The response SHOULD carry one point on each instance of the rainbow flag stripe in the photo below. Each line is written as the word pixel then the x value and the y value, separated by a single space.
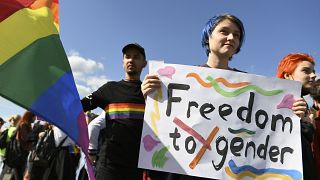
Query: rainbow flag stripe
pixel 125 111
pixel 34 68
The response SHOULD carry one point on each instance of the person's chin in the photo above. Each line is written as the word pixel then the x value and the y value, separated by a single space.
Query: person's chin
pixel 230 51
pixel 132 72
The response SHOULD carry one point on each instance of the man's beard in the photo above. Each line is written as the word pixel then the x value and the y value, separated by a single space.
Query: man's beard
pixel 132 73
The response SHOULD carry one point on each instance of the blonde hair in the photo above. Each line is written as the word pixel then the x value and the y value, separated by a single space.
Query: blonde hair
pixel 14 119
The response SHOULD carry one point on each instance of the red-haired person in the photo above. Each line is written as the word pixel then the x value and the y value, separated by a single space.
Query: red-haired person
pixel 24 131
pixel 300 67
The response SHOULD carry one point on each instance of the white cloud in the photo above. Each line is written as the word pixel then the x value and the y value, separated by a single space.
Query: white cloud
pixel 86 73
pixel 96 81
pixel 83 90
pixel 82 65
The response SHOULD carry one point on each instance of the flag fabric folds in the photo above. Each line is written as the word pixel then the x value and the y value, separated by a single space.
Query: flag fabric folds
pixel 34 69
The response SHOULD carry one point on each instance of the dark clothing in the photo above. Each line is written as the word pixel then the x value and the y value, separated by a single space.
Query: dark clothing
pixel 63 165
pixel 124 105
pixel 35 171
pixel 23 133
pixel 118 173
pixel 309 165
pixel 34 135
pixel 316 144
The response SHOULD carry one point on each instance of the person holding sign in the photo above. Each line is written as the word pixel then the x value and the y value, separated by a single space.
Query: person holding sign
pixel 124 105
pixel 300 67
pixel 222 37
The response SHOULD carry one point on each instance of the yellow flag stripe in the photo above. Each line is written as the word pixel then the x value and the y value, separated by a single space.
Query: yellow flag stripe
pixel 22 28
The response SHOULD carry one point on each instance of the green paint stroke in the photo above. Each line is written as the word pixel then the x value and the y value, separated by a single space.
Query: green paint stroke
pixel 242 130
pixel 159 159
pixel 242 89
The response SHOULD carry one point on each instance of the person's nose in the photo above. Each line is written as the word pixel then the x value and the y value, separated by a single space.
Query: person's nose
pixel 230 36
pixel 313 75
pixel 130 59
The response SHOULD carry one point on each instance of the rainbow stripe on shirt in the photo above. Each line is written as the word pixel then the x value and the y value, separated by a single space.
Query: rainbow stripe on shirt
pixel 125 111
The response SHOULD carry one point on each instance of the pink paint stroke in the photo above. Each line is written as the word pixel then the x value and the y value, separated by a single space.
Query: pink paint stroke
pixel 286 102
pixel 167 71
pixel 149 143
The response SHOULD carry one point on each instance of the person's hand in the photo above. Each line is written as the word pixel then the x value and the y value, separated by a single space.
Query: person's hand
pixel 299 107
pixel 149 84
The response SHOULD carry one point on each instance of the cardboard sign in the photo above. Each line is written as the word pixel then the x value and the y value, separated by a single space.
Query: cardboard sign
pixel 221 124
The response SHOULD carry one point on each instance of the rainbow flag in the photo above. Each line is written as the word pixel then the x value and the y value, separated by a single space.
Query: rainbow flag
pixel 34 68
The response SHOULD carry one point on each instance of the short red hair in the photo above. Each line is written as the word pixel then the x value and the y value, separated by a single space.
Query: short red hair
pixel 290 62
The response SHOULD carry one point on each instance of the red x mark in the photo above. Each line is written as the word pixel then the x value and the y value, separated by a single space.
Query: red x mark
pixel 206 143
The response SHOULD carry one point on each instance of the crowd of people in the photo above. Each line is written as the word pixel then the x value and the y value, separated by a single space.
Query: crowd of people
pixel 28 130
pixel 115 134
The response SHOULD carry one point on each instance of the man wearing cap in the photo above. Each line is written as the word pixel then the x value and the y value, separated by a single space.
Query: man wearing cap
pixel 124 105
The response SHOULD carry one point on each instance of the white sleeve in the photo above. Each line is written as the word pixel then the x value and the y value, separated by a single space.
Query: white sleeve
pixel 94 128
pixel 59 135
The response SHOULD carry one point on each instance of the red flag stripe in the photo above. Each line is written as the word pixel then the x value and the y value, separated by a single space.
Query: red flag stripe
pixel 9 7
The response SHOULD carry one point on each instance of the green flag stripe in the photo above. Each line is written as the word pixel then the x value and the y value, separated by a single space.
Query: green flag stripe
pixel 26 75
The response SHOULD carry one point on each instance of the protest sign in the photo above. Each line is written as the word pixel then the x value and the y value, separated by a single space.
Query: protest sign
pixel 221 124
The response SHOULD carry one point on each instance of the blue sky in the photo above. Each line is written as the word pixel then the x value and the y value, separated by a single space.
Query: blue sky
pixel 94 32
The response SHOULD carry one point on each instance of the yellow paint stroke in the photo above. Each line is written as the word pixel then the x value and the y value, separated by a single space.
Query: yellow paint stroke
pixel 155 115
pixel 221 80
pixel 255 176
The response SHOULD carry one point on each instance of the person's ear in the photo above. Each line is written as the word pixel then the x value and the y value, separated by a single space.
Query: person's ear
pixel 145 63
pixel 207 44
pixel 287 76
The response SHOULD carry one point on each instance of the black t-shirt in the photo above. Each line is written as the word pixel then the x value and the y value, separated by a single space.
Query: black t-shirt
pixel 124 105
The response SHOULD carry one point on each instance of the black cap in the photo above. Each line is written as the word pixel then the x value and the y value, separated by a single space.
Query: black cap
pixel 136 46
